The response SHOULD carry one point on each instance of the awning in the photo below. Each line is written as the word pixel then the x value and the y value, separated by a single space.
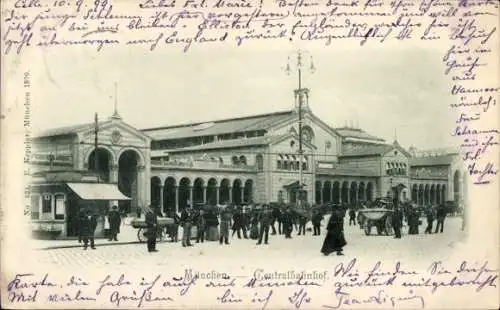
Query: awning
pixel 97 191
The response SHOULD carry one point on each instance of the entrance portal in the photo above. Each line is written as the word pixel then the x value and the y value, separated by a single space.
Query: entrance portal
pixel 128 181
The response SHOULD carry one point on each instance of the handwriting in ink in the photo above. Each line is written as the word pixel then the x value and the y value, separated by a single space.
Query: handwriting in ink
pixel 121 281
pixel 262 299
pixel 298 298
pixel 229 297
pixel 23 281
pixel 381 298
pixel 78 296
pixel 117 298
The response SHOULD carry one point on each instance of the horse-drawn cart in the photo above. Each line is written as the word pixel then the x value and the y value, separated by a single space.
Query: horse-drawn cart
pixel 381 218
pixel 142 228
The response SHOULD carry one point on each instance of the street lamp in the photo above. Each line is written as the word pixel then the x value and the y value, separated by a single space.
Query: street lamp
pixel 301 94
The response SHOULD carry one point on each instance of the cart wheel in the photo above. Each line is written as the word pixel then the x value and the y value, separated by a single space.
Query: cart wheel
pixel 368 228
pixel 141 235
pixel 388 226
pixel 160 235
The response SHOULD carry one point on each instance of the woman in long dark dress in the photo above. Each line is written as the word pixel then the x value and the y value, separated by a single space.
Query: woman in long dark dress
pixel 335 240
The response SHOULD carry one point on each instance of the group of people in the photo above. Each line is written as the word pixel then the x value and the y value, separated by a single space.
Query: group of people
pixel 214 224
pixel 256 223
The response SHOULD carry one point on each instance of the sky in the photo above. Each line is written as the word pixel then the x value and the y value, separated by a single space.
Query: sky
pixel 382 91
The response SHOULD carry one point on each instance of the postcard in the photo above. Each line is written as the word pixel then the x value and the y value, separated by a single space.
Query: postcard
pixel 249 154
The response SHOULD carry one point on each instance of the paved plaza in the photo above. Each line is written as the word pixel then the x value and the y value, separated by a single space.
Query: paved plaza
pixel 300 249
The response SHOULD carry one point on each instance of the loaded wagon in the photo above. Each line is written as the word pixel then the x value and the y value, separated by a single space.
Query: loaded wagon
pixel 142 227
pixel 380 218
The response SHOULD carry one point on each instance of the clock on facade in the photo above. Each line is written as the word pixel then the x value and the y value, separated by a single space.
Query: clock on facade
pixel 116 137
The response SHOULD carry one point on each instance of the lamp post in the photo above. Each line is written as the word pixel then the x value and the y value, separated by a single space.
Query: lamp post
pixel 301 94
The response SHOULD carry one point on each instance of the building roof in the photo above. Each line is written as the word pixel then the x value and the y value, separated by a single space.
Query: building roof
pixel 66 130
pixel 237 143
pixel 374 150
pixel 439 160
pixel 357 133
pixel 217 127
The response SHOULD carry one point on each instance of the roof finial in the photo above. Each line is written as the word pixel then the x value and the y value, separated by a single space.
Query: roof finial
pixel 115 113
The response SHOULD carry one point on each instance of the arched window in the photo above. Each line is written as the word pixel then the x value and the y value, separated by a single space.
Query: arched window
pixel 304 163
pixel 280 162
pixel 235 160
pixel 293 164
pixel 259 160
pixel 286 163
pixel 243 160
pixel 221 161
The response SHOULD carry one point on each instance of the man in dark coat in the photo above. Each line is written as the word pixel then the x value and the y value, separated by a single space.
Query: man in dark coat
pixel 429 214
pixel 352 217
pixel 265 221
pixel 276 217
pixel 186 222
pixel 152 226
pixel 397 222
pixel 88 225
pixel 115 220
pixel 335 239
pixel 413 221
pixel 173 229
pixel 441 215
pixel 200 226
pixel 302 224
pixel 238 224
pixel 288 220
pixel 225 224
pixel 316 221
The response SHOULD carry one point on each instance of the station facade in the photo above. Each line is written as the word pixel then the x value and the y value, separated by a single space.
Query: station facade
pixel 244 160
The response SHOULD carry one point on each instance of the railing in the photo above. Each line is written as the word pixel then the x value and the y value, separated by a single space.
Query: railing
pixel 200 164
pixel 47 158
pixel 428 175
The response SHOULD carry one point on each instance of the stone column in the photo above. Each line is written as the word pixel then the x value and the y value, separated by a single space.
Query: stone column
pixel 161 197
pixel 242 194
pixel 113 178
pixel 204 194
pixel 321 199
pixel 176 202
pixel 191 195
pixel 230 194
pixel 217 193
pixel 141 182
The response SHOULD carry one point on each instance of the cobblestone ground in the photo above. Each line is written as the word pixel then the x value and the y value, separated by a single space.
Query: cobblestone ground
pixel 301 249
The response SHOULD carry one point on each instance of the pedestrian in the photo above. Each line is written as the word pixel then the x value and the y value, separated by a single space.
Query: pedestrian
pixel 352 217
pixel 316 221
pixel 276 217
pixel 302 224
pixel 441 215
pixel 265 221
pixel 335 239
pixel 238 224
pixel 173 230
pixel 288 220
pixel 254 229
pixel 186 222
pixel 429 213
pixel 413 221
pixel 225 223
pixel 200 226
pixel 397 222
pixel 152 229
pixel 212 223
pixel 88 226
pixel 114 219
